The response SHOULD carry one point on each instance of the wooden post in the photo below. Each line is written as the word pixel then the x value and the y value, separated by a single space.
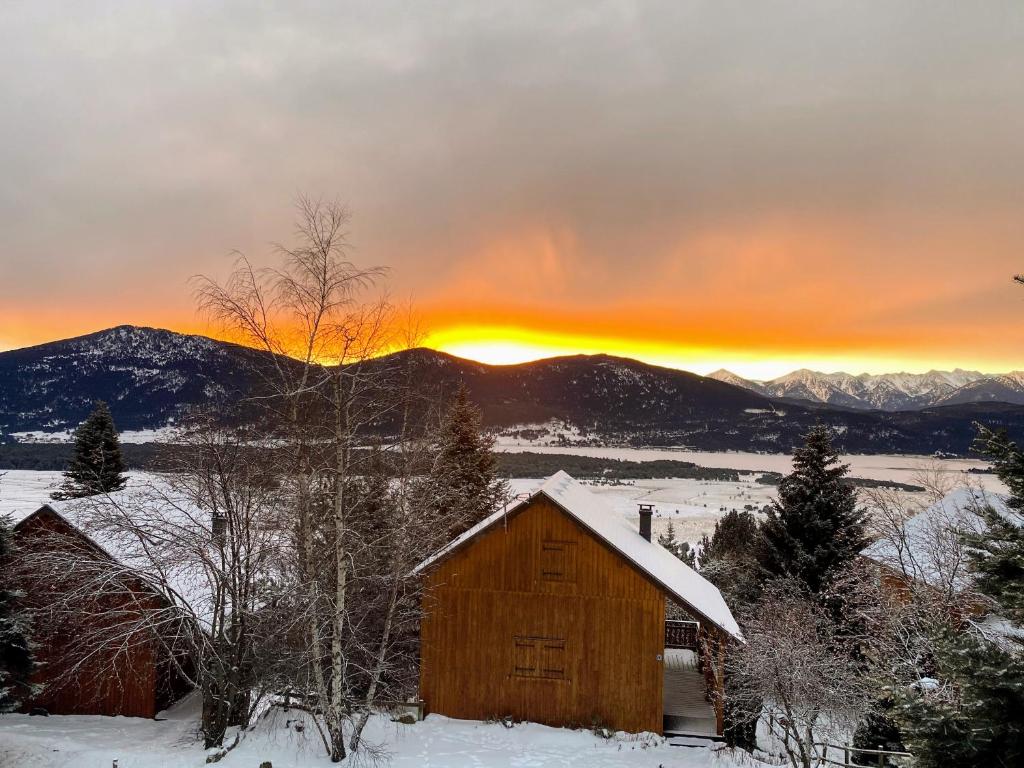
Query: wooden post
pixel 846 754
pixel 880 757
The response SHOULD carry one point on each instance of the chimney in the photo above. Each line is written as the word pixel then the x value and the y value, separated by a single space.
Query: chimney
pixel 218 527
pixel 646 513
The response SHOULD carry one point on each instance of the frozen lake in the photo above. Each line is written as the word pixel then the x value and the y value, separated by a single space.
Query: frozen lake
pixel 902 469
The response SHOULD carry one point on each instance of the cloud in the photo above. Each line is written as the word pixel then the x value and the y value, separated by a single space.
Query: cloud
pixel 799 176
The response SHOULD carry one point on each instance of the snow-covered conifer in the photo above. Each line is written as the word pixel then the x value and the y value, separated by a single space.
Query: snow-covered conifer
pixel 997 555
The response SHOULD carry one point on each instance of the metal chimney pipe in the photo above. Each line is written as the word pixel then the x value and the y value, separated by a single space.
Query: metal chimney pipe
pixel 646 514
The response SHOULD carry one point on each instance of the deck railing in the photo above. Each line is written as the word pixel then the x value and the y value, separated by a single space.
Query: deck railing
pixel 681 634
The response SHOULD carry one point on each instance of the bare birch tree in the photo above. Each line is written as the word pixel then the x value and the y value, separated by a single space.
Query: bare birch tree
pixel 328 404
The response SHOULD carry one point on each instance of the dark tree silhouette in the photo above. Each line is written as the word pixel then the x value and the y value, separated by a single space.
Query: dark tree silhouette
pixel 97 465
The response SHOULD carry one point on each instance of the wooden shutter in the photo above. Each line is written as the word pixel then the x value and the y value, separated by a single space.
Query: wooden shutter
pixel 539 657
pixel 558 561
pixel 552 658
pixel 524 663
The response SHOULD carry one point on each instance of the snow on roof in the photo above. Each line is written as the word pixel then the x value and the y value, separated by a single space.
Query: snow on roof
pixel 681 581
pixel 170 522
pixel 925 546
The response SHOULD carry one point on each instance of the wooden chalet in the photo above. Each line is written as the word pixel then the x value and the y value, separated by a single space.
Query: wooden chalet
pixel 923 550
pixel 554 610
pixel 136 678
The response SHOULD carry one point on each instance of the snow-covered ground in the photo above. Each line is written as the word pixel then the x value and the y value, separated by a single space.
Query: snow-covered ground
pixel 23 491
pixel 437 742
pixel 692 506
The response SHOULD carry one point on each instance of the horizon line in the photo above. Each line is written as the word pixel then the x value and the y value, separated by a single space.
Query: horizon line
pixel 496 351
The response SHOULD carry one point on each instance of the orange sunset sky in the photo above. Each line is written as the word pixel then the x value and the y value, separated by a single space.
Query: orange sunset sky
pixel 756 186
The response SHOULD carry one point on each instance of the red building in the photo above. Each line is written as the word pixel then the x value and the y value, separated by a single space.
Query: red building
pixel 77 675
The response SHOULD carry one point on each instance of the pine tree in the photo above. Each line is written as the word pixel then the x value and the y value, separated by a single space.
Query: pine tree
pixel 680 549
pixel 97 466
pixel 975 715
pixel 728 558
pixel 815 527
pixel 996 556
pixel 16 663
pixel 735 536
pixel 463 484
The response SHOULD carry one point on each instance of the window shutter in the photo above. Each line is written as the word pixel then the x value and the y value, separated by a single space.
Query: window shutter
pixel 539 657
pixel 558 561
pixel 525 657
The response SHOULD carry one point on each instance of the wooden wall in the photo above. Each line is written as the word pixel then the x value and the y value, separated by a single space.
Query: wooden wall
pixel 114 681
pixel 538 620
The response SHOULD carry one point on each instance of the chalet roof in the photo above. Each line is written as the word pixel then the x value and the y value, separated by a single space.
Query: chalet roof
pixel 671 574
pixel 921 547
pixel 149 509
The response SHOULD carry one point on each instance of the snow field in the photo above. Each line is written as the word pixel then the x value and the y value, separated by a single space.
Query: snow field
pixel 288 740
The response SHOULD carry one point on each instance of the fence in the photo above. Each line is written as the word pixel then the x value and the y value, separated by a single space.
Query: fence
pixel 877 755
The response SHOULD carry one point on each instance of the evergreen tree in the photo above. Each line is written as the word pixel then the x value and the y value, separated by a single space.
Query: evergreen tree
pixel 680 549
pixel 728 558
pixel 97 466
pixel 463 482
pixel 16 663
pixel 815 527
pixel 996 556
pixel 975 715
pixel 735 536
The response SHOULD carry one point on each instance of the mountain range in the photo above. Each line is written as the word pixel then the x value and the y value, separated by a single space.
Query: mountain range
pixel 152 377
pixel 887 391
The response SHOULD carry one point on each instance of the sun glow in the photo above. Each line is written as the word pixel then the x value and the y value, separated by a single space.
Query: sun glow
pixel 508 345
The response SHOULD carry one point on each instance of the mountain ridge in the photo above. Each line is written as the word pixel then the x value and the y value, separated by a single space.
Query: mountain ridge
pixel 153 377
pixel 887 391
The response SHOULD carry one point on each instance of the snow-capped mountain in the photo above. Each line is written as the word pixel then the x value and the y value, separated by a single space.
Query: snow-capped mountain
pixel 148 376
pixel 888 391
pixel 151 378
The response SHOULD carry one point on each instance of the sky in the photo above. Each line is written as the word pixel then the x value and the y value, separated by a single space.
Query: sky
pixel 757 186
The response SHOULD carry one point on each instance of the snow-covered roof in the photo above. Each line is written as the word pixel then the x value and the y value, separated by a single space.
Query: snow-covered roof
pixel 674 576
pixel 924 548
pixel 147 529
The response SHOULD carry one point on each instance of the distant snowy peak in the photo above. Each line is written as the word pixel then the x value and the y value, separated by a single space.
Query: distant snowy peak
pixel 737 381
pixel 888 391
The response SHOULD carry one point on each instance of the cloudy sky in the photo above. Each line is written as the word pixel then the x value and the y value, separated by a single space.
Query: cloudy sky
pixel 756 185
